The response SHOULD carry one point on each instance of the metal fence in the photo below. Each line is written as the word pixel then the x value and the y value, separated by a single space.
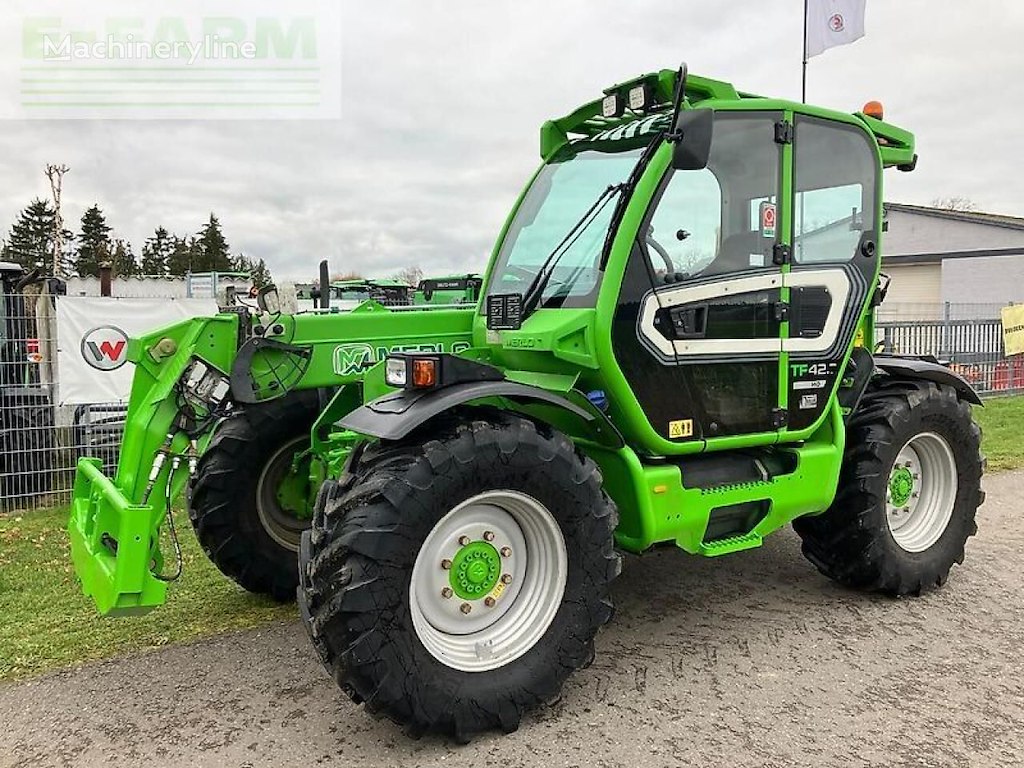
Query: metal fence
pixel 967 336
pixel 40 440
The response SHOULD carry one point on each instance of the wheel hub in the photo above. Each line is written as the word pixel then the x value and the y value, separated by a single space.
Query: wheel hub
pixel 901 486
pixel 475 570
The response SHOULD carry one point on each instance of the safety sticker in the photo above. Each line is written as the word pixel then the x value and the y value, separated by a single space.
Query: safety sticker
pixel 808 402
pixel 768 214
pixel 680 428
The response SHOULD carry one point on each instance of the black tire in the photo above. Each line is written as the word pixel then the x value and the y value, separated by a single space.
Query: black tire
pixel 851 543
pixel 222 500
pixel 26 447
pixel 356 564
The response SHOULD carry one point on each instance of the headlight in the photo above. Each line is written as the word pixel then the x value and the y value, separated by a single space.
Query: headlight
pixel 416 370
pixel 640 97
pixel 611 105
pixel 394 372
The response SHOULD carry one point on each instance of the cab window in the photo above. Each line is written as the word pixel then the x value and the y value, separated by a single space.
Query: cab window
pixel 722 218
pixel 835 176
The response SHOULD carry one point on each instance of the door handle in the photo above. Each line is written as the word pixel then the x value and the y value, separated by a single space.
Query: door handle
pixel 690 322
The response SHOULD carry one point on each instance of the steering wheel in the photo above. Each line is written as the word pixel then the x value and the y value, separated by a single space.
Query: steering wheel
pixel 521 272
pixel 670 268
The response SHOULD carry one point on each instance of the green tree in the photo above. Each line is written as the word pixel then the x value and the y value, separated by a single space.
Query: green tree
pixel 123 260
pixel 94 247
pixel 184 256
pixel 214 253
pixel 260 274
pixel 31 241
pixel 256 269
pixel 156 253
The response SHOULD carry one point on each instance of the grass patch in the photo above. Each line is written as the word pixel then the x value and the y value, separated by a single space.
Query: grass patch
pixel 46 622
pixel 1002 422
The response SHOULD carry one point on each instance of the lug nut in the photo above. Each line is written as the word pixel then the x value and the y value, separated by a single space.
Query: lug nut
pixel 463 540
pixel 446 564
pixel 506 578
pixel 489 602
pixel 465 607
pixel 488 536
pixel 446 593
pixel 506 552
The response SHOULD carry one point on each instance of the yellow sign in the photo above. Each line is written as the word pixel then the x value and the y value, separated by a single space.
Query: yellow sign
pixel 681 428
pixel 1013 329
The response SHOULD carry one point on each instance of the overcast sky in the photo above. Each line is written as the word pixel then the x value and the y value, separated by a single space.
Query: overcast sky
pixel 441 104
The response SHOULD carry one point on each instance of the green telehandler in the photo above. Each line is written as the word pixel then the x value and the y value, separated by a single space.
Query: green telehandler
pixel 673 346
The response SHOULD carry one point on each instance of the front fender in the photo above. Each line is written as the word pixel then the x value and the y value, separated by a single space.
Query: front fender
pixel 394 415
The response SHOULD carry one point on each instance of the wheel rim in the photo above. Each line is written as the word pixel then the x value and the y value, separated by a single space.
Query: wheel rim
pixel 488 581
pixel 921 492
pixel 282 496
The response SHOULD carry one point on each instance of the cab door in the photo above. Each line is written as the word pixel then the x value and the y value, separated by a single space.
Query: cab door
pixel 700 321
pixel 835 257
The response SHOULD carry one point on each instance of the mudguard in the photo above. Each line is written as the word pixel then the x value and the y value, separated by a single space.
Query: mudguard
pixel 395 415
pixel 926 369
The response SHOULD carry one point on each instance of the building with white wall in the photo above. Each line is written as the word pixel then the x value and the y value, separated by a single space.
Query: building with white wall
pixel 934 256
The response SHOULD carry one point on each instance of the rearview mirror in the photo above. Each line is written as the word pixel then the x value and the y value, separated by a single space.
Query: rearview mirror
pixel 691 135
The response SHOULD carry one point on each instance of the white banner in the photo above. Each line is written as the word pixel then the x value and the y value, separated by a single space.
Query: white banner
pixel 833 22
pixel 92 341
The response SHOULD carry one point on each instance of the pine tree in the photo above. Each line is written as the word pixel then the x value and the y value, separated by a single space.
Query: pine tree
pixel 30 242
pixel 156 253
pixel 215 255
pixel 94 246
pixel 184 256
pixel 241 263
pixel 123 260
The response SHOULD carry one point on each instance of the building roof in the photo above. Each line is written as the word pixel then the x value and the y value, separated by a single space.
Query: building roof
pixel 970 217
pixel 973 217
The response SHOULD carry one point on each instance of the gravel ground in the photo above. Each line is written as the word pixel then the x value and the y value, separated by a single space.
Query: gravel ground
pixel 749 660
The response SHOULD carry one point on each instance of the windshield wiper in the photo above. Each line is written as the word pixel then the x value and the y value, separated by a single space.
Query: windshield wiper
pixel 535 290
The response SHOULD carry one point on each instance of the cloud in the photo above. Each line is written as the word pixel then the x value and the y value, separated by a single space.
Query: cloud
pixel 442 102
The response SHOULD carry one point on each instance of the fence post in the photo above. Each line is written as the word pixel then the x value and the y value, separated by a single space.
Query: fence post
pixel 106 278
pixel 944 344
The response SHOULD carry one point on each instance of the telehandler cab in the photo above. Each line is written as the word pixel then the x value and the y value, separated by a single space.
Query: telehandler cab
pixel 673 346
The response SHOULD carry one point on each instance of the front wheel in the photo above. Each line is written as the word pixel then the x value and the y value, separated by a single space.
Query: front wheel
pixel 250 499
pixel 908 492
pixel 454 585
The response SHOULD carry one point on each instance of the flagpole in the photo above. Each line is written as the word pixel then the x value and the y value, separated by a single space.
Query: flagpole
pixel 803 85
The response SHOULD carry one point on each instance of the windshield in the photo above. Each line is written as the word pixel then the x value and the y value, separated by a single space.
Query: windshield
pixel 560 196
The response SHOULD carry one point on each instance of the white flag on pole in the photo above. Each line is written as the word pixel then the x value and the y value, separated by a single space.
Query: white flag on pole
pixel 833 22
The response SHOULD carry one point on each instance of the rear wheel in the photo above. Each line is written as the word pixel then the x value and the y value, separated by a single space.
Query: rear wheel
pixel 908 492
pixel 453 586
pixel 251 498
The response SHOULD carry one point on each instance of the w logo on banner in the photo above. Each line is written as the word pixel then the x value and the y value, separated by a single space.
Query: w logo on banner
pixel 105 348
